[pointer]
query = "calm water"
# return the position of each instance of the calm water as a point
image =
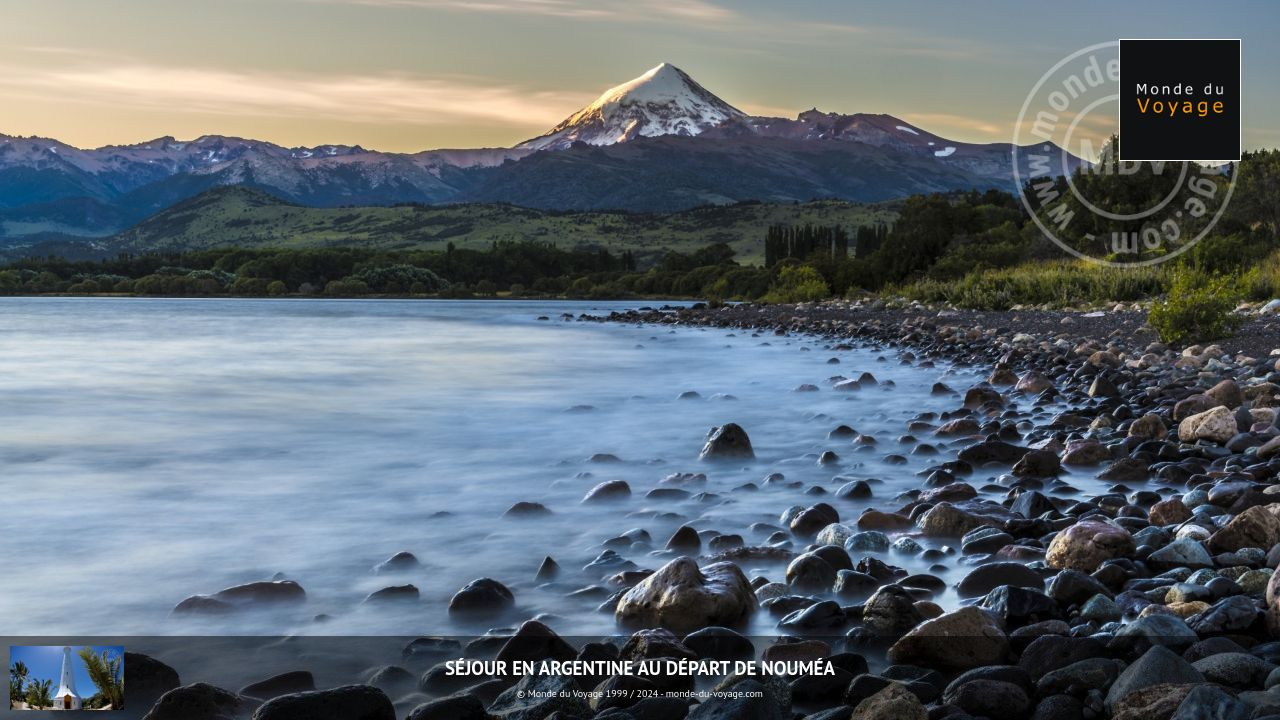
(155, 449)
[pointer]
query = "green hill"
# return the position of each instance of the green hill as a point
(243, 217)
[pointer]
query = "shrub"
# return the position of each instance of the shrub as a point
(277, 288)
(1197, 308)
(398, 277)
(798, 283)
(346, 287)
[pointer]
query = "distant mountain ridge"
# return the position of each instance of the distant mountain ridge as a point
(661, 142)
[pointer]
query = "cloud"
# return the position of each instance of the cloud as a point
(621, 10)
(934, 121)
(385, 98)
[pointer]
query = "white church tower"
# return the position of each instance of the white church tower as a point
(67, 698)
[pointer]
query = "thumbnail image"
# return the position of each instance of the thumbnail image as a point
(66, 678)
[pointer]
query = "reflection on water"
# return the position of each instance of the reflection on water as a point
(155, 449)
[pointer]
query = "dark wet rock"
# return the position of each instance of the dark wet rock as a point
(1150, 703)
(719, 643)
(283, 684)
(534, 641)
(1125, 470)
(1073, 587)
(948, 520)
(685, 539)
(652, 643)
(147, 679)
(872, 519)
(854, 585)
(400, 562)
(992, 451)
(1157, 666)
(199, 701)
(1080, 677)
(854, 490)
(682, 597)
(484, 596)
(985, 578)
(1085, 452)
(548, 570)
(773, 703)
(458, 707)
(1149, 426)
(539, 696)
(1085, 545)
(810, 520)
(527, 509)
(890, 611)
(1050, 652)
(1229, 615)
(1156, 629)
(1185, 553)
(352, 702)
(394, 593)
(993, 699)
(1255, 527)
(727, 442)
(1032, 504)
(810, 573)
(894, 702)
(825, 615)
(1235, 669)
(819, 690)
(249, 595)
(1059, 707)
(393, 680)
(1207, 702)
(608, 491)
(1226, 393)
(1018, 606)
(650, 708)
(1169, 512)
(958, 640)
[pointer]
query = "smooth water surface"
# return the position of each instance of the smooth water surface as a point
(156, 449)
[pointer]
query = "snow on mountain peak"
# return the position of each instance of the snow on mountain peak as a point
(663, 101)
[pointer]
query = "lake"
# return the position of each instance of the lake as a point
(154, 449)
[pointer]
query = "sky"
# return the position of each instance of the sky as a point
(409, 75)
(45, 663)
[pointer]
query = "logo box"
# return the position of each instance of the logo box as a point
(1180, 100)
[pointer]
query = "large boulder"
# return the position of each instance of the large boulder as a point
(1256, 527)
(894, 702)
(727, 442)
(1085, 545)
(1216, 425)
(249, 595)
(147, 679)
(959, 640)
(484, 596)
(197, 702)
(539, 696)
(684, 598)
(891, 611)
(1157, 666)
(948, 520)
(352, 702)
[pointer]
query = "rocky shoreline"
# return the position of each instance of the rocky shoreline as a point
(1151, 599)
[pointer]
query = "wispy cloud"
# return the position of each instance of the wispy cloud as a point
(935, 122)
(628, 10)
(398, 98)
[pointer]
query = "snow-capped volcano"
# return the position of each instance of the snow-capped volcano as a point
(663, 101)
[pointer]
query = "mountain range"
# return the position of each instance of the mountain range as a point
(658, 143)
